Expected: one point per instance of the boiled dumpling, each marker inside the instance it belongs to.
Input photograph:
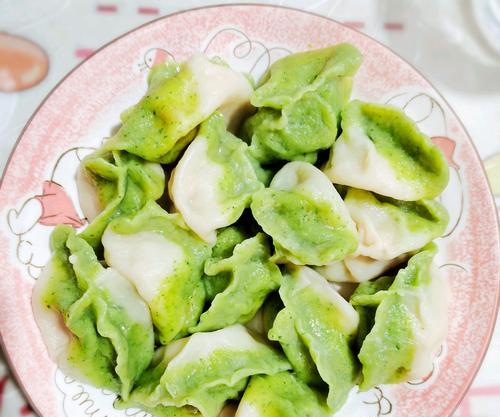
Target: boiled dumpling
(252, 277)
(113, 184)
(388, 228)
(382, 150)
(214, 180)
(305, 216)
(284, 332)
(107, 338)
(281, 395)
(326, 323)
(409, 325)
(164, 260)
(299, 102)
(162, 124)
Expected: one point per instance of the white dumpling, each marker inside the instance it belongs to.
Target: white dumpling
(214, 180)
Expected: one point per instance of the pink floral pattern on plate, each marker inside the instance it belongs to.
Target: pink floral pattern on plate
(71, 122)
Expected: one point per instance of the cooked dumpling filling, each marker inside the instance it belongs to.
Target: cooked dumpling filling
(264, 275)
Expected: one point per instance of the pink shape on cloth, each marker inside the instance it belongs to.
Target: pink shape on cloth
(57, 207)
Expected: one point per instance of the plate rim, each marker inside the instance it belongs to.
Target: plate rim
(491, 199)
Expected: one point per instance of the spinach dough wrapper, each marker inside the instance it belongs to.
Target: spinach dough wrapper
(164, 259)
(299, 101)
(205, 370)
(95, 325)
(179, 98)
(409, 324)
(114, 184)
(382, 150)
(252, 277)
(327, 324)
(306, 217)
(281, 395)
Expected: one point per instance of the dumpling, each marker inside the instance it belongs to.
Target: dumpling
(113, 184)
(358, 268)
(203, 371)
(367, 312)
(326, 323)
(227, 239)
(163, 123)
(217, 361)
(107, 337)
(282, 395)
(214, 180)
(305, 216)
(164, 260)
(382, 150)
(299, 103)
(388, 228)
(410, 323)
(252, 277)
(283, 331)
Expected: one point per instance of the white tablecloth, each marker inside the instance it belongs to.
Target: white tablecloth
(442, 38)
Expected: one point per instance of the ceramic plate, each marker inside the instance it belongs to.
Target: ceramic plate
(38, 191)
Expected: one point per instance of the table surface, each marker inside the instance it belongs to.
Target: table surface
(441, 38)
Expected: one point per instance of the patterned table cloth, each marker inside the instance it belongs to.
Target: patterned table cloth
(444, 39)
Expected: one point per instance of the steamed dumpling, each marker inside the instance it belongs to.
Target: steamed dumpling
(107, 337)
(388, 228)
(162, 124)
(299, 102)
(214, 180)
(164, 260)
(252, 277)
(382, 150)
(326, 323)
(409, 325)
(305, 216)
(113, 184)
(281, 395)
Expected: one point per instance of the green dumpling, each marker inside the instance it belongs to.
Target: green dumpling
(164, 259)
(389, 228)
(108, 327)
(227, 239)
(281, 395)
(214, 180)
(410, 323)
(180, 97)
(114, 184)
(216, 361)
(305, 216)
(382, 150)
(150, 395)
(326, 323)
(284, 332)
(299, 102)
(252, 277)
